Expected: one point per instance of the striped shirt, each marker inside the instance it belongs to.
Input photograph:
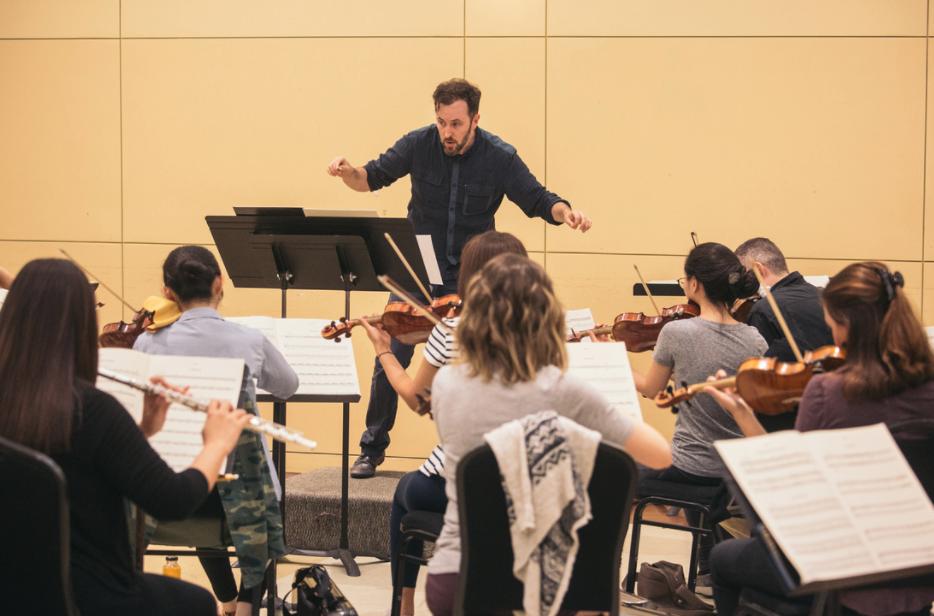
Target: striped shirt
(440, 349)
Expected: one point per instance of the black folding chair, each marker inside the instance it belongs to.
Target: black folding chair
(487, 584)
(36, 559)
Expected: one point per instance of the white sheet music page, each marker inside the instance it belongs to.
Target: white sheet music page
(208, 378)
(839, 503)
(323, 366)
(578, 320)
(605, 367)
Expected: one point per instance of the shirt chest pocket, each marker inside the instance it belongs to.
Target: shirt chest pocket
(477, 198)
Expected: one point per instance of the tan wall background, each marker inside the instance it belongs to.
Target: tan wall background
(124, 123)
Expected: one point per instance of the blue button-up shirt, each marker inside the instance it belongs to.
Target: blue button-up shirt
(456, 197)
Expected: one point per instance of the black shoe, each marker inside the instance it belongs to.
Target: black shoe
(365, 466)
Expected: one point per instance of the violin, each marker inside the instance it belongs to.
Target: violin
(742, 307)
(767, 385)
(156, 313)
(638, 330)
(399, 319)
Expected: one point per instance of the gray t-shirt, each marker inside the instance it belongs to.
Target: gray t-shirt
(466, 408)
(696, 349)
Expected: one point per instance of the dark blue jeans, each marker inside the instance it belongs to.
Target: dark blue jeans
(414, 492)
(381, 410)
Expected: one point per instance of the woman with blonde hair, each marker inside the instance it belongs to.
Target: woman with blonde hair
(512, 363)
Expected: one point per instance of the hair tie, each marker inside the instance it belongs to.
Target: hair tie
(892, 281)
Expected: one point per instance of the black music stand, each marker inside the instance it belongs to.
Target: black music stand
(281, 248)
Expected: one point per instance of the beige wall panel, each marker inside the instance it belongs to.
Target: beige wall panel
(739, 137)
(928, 295)
(215, 123)
(513, 18)
(929, 172)
(736, 18)
(101, 259)
(60, 152)
(513, 107)
(59, 18)
(242, 18)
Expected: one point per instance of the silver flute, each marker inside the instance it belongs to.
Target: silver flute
(256, 424)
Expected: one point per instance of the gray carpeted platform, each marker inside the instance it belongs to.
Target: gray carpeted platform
(312, 511)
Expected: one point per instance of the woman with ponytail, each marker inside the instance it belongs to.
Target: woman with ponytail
(888, 377)
(250, 503)
(688, 351)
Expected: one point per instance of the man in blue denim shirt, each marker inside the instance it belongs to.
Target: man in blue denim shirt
(459, 174)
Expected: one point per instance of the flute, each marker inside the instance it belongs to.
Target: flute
(257, 424)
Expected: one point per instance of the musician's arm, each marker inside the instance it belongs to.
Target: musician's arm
(653, 381)
(276, 375)
(6, 279)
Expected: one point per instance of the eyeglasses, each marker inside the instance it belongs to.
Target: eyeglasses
(682, 282)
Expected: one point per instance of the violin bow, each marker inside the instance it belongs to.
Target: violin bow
(646, 287)
(694, 238)
(392, 287)
(405, 262)
(101, 282)
(778, 315)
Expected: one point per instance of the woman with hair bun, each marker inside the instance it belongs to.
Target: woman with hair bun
(690, 350)
(250, 504)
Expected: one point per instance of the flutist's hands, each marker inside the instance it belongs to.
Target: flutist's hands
(223, 426)
(155, 408)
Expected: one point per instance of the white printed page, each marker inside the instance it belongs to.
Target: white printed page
(578, 320)
(179, 441)
(324, 367)
(839, 503)
(605, 367)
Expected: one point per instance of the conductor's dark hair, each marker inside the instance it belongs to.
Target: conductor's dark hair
(190, 272)
(719, 271)
(48, 343)
(763, 250)
(458, 90)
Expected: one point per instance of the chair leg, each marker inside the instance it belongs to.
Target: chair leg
(634, 547)
(256, 600)
(696, 538)
(399, 578)
(271, 593)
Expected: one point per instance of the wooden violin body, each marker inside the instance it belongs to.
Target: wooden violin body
(637, 330)
(743, 307)
(399, 320)
(156, 313)
(769, 386)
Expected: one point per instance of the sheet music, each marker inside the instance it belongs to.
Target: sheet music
(3, 293)
(323, 366)
(426, 248)
(579, 320)
(317, 213)
(839, 503)
(605, 366)
(179, 441)
(929, 330)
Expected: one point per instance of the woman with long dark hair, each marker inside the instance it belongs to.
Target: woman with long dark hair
(888, 377)
(48, 402)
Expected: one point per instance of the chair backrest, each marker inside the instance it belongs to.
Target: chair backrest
(486, 582)
(915, 437)
(36, 546)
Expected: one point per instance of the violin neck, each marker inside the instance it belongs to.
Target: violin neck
(729, 381)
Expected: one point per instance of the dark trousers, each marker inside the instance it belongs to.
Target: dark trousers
(381, 410)
(737, 564)
(152, 595)
(217, 568)
(676, 475)
(414, 492)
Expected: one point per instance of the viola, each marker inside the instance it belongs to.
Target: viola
(767, 385)
(156, 313)
(638, 330)
(400, 320)
(743, 307)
